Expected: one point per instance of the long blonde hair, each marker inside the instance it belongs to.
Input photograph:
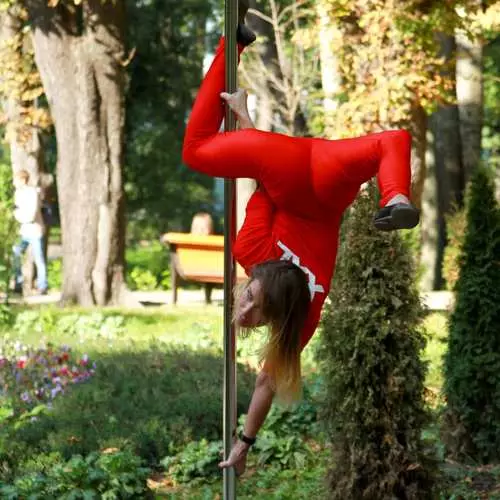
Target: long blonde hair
(286, 302)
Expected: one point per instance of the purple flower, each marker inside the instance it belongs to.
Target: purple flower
(55, 391)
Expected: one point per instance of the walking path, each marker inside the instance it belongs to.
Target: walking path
(435, 301)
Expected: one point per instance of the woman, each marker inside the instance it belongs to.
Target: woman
(288, 241)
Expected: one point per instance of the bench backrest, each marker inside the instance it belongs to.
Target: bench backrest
(200, 258)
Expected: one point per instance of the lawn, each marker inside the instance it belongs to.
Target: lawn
(157, 391)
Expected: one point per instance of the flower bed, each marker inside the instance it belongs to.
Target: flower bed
(32, 376)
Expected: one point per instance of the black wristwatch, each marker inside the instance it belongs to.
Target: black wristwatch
(247, 440)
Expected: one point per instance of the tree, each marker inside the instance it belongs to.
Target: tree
(472, 362)
(80, 54)
(26, 118)
(7, 226)
(370, 357)
(283, 66)
(170, 40)
(491, 124)
(457, 124)
(388, 71)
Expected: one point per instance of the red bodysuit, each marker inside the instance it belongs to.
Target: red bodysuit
(306, 184)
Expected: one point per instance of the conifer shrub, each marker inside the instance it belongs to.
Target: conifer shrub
(370, 358)
(472, 362)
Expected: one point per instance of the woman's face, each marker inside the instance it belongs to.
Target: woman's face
(249, 306)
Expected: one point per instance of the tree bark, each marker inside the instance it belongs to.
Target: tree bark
(447, 144)
(330, 38)
(470, 100)
(418, 129)
(430, 259)
(78, 50)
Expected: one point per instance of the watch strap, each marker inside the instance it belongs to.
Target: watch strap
(248, 440)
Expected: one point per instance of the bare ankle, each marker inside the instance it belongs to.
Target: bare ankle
(399, 198)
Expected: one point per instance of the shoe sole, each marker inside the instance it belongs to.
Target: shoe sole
(401, 217)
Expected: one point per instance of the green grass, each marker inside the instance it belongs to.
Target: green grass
(158, 386)
(157, 383)
(436, 327)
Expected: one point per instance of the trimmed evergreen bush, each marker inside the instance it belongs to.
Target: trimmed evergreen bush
(370, 356)
(472, 363)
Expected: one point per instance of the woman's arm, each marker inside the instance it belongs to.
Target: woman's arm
(254, 242)
(262, 399)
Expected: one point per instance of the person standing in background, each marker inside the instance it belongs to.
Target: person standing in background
(28, 212)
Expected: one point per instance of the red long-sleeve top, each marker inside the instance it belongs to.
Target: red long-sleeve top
(268, 233)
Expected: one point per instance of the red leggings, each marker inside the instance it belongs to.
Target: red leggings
(312, 178)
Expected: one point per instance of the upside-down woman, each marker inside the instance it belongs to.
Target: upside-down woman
(288, 241)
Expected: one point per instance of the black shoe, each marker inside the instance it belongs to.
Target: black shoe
(397, 216)
(244, 35)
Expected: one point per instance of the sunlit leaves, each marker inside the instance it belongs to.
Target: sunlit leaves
(20, 85)
(390, 64)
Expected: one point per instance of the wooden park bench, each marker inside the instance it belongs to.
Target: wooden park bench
(197, 258)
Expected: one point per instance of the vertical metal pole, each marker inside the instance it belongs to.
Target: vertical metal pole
(229, 410)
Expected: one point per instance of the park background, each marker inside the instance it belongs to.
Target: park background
(101, 396)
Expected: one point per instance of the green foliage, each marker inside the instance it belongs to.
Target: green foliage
(117, 474)
(472, 363)
(8, 226)
(82, 328)
(148, 266)
(270, 482)
(282, 442)
(164, 76)
(301, 418)
(370, 357)
(54, 274)
(153, 398)
(491, 121)
(198, 459)
(388, 69)
(283, 437)
(140, 279)
(7, 317)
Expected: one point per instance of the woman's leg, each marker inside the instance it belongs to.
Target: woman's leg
(280, 163)
(341, 167)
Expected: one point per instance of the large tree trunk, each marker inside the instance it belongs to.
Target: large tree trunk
(78, 51)
(470, 100)
(330, 38)
(418, 129)
(430, 257)
(445, 125)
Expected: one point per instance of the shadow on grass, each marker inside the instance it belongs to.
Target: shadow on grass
(152, 400)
